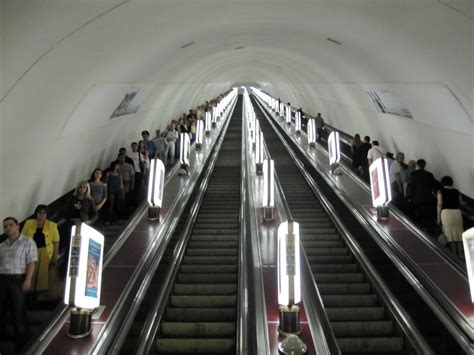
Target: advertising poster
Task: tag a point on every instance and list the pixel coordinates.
(468, 242)
(93, 267)
(375, 184)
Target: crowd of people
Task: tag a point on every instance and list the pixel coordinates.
(434, 206)
(29, 256)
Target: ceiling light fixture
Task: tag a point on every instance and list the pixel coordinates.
(334, 41)
(188, 44)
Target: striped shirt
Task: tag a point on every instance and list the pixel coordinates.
(15, 257)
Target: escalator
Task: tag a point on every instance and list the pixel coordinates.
(359, 319)
(338, 276)
(200, 314)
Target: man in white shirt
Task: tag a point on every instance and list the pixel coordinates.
(375, 152)
(18, 255)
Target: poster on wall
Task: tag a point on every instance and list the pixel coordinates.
(387, 101)
(128, 105)
(93, 266)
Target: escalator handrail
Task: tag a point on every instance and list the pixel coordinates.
(425, 293)
(115, 344)
(323, 336)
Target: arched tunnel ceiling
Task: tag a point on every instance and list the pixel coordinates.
(62, 49)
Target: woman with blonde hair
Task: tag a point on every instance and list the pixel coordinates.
(81, 206)
(46, 236)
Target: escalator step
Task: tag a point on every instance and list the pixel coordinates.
(205, 289)
(208, 301)
(326, 251)
(371, 345)
(195, 346)
(355, 313)
(200, 314)
(335, 268)
(213, 244)
(215, 260)
(368, 328)
(349, 300)
(204, 237)
(210, 278)
(210, 252)
(338, 277)
(211, 268)
(202, 329)
(344, 288)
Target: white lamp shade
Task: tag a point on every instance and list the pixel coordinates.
(259, 146)
(184, 149)
(334, 148)
(199, 131)
(380, 182)
(156, 183)
(298, 121)
(289, 278)
(268, 183)
(311, 127)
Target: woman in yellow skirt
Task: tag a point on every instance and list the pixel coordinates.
(45, 234)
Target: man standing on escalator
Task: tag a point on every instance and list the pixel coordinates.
(18, 256)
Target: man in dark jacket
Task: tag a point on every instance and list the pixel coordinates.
(420, 192)
(364, 163)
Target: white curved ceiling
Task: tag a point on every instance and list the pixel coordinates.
(55, 53)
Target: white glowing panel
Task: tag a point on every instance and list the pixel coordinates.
(208, 121)
(184, 149)
(380, 182)
(256, 130)
(288, 114)
(156, 183)
(334, 148)
(282, 109)
(311, 128)
(268, 183)
(84, 278)
(199, 131)
(468, 242)
(298, 121)
(214, 114)
(259, 147)
(289, 287)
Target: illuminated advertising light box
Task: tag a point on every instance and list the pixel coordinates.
(468, 242)
(156, 185)
(84, 278)
(208, 123)
(334, 148)
(199, 134)
(298, 122)
(288, 115)
(289, 278)
(380, 182)
(268, 183)
(184, 149)
(282, 109)
(311, 132)
(259, 151)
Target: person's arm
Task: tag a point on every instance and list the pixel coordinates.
(55, 258)
(92, 213)
(55, 239)
(30, 269)
(398, 179)
(132, 180)
(439, 206)
(104, 198)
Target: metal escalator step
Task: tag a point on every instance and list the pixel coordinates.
(371, 345)
(198, 329)
(211, 268)
(344, 288)
(321, 237)
(195, 346)
(316, 225)
(213, 244)
(200, 314)
(214, 220)
(215, 260)
(326, 251)
(215, 231)
(323, 244)
(367, 328)
(333, 259)
(354, 277)
(355, 313)
(213, 237)
(37, 316)
(211, 252)
(207, 278)
(316, 231)
(336, 268)
(349, 300)
(226, 225)
(198, 301)
(205, 289)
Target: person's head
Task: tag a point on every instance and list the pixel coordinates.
(123, 151)
(83, 190)
(134, 146)
(158, 132)
(96, 174)
(376, 143)
(115, 166)
(412, 164)
(145, 135)
(367, 139)
(421, 163)
(41, 213)
(447, 181)
(357, 137)
(319, 114)
(11, 227)
(400, 157)
(141, 145)
(288, 104)
(121, 158)
(389, 155)
(173, 124)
